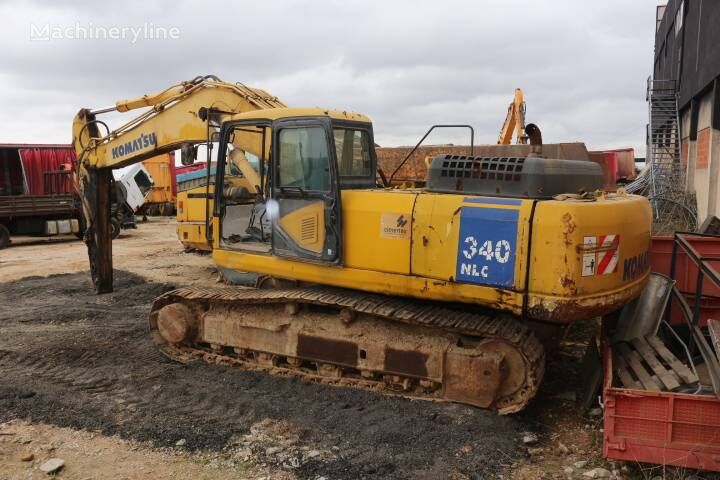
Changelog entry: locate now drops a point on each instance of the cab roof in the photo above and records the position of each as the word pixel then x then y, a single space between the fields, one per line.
pixel 279 113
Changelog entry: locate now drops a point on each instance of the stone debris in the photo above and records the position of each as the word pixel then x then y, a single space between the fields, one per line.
pixel 529 438
pixel 580 464
pixel 28 457
pixel 598 473
pixel 312 454
pixel 244 454
pixel 535 451
pixel 53 465
pixel 180 442
pixel 272 450
pixel 465 449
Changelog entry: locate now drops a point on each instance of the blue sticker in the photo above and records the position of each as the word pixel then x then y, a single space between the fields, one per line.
pixel 486 246
pixel 493 201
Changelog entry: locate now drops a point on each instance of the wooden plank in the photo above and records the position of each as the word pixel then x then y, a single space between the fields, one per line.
pixel 676 377
pixel 657 382
pixel 623 372
pixel 681 369
pixel 650 357
pixel 635 362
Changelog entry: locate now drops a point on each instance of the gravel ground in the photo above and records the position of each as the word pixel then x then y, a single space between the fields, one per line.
pixel 73 359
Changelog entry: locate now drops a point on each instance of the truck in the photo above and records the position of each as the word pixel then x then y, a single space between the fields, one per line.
pixel 37 194
pixel 133 184
pixel 39 197
pixel 161 198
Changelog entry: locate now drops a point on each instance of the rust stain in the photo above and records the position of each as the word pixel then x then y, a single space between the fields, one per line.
pixel 326 349
pixel 568 283
pixel 504 298
pixel 452 217
pixel 569 228
pixel 569 310
pixel 406 362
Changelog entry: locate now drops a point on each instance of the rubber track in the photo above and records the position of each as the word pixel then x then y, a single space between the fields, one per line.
pixel 503 327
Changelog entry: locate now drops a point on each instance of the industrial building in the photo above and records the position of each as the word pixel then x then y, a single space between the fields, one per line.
pixel 687 55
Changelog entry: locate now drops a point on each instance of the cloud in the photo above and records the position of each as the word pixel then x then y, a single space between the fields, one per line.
pixel 406 64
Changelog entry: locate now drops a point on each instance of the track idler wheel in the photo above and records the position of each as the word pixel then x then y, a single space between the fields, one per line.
pixel 176 323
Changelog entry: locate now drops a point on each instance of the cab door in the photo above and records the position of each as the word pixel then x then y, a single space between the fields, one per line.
pixel 305 217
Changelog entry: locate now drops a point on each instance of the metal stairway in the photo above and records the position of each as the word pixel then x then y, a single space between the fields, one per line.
pixel 663 180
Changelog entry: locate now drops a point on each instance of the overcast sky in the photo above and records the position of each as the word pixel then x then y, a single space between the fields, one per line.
pixel 406 64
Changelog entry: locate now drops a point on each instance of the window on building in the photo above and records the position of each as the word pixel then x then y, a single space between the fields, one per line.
pixel 679 18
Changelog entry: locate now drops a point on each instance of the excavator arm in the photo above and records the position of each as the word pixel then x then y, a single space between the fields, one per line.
pixel 179 117
pixel 514 121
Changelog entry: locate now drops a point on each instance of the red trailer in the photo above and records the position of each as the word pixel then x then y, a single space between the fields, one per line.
pixel 36 191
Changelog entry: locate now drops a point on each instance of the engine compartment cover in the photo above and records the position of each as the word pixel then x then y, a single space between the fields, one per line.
pixel 530 177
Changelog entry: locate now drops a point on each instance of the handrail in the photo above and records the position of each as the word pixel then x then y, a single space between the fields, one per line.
pixel 472 146
pixel 705 270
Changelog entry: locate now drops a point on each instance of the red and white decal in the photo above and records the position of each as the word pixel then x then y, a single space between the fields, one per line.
pixel 601 255
pixel 608 254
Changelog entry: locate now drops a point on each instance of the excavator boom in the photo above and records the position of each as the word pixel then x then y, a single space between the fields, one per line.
pixel 180 116
pixel 514 121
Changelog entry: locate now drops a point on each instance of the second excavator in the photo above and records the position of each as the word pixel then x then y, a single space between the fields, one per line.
pixel 430 293
pixel 514 121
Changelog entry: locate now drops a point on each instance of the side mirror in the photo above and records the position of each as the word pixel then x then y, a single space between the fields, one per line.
pixel 188 153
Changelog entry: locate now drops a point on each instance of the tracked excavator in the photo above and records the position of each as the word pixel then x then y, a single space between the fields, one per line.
pixel 430 293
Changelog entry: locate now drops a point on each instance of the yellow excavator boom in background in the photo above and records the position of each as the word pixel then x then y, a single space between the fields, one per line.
pixel 432 293
pixel 514 121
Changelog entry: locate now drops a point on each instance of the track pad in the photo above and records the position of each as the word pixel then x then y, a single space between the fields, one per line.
pixel 472 379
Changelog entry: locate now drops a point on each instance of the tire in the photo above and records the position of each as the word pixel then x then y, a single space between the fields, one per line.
pixel 4 236
pixel 115 228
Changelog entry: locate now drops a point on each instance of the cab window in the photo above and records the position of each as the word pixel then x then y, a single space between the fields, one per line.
pixel 303 159
pixel 352 148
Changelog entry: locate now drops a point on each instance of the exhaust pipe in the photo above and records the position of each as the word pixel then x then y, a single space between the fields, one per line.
pixel 534 134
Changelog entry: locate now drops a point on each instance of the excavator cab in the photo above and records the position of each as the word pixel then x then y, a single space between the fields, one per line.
pixel 305 159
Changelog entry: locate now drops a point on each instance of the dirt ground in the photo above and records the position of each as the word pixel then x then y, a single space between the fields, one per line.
pixel 81 381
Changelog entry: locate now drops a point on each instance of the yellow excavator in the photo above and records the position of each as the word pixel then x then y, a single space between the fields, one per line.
pixel 429 293
pixel 514 121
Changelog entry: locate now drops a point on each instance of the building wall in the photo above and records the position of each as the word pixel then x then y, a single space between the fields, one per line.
pixel 687 50
pixel 687 46
pixel 698 167
pixel 702 183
